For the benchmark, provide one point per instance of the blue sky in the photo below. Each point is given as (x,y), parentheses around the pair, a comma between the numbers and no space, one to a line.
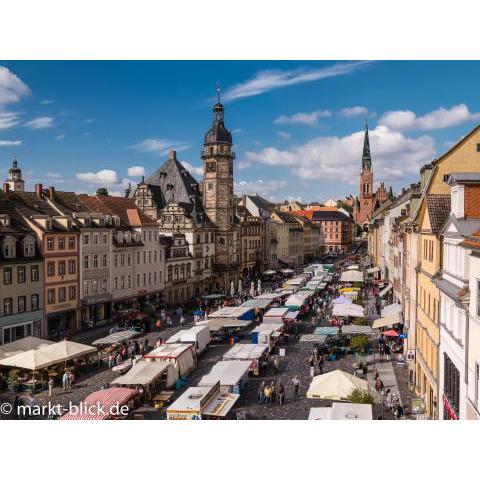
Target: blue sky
(297,126)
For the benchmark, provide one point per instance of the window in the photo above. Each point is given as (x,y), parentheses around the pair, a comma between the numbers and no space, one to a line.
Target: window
(61,267)
(95,239)
(22,304)
(451,387)
(115,283)
(478,147)
(72,267)
(61,243)
(71,243)
(62,294)
(51,296)
(138,280)
(29,247)
(34,273)
(129,259)
(477,379)
(138,258)
(50,243)
(35,302)
(104,260)
(95,261)
(50,269)
(86,238)
(105,238)
(7,306)
(86,287)
(104,284)
(115,260)
(7,276)
(122,259)
(72,292)
(21,274)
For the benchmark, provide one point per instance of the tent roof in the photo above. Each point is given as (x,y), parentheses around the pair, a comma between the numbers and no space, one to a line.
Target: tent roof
(245,351)
(335,385)
(356,329)
(168,350)
(219,323)
(352,276)
(117,337)
(227,373)
(257,303)
(49,355)
(142,373)
(22,345)
(230,312)
(387,321)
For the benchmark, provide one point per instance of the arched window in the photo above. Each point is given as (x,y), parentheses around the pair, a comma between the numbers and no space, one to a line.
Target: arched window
(9,244)
(28,246)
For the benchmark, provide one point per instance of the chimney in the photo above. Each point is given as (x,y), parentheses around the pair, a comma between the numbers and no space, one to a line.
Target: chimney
(38,190)
(51,192)
(172,154)
(244,200)
(6,188)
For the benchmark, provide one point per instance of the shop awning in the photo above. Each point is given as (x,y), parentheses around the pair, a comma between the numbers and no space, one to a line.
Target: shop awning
(348,310)
(388,321)
(385,290)
(257,303)
(117,337)
(245,351)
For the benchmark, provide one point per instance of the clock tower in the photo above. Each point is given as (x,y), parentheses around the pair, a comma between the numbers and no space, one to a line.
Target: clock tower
(217,192)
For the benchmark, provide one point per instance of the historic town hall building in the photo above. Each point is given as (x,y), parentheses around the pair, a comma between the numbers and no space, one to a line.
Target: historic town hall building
(368,201)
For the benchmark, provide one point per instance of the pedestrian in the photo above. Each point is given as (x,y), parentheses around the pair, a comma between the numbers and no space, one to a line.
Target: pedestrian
(387,352)
(273,387)
(159,342)
(268,394)
(182,321)
(110,361)
(276,364)
(280,393)
(320,364)
(261,396)
(311,362)
(50,387)
(388,400)
(296,385)
(71,380)
(169,320)
(158,324)
(65,380)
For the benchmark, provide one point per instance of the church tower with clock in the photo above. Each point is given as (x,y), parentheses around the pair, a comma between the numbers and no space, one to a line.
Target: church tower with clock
(217,195)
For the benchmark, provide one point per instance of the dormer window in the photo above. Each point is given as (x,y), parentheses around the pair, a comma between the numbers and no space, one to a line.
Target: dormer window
(4,220)
(9,247)
(116,220)
(457,194)
(120,237)
(127,237)
(28,247)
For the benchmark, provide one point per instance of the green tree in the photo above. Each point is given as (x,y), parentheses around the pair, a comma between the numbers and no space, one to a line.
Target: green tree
(360,321)
(359,343)
(102,191)
(360,395)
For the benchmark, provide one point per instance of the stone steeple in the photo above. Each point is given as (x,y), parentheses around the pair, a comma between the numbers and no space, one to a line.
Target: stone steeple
(15,179)
(366,158)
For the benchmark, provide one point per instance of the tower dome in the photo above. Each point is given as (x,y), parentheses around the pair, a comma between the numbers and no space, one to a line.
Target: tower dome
(218,133)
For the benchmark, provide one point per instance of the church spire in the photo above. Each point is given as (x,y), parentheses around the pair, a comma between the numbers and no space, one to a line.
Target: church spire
(366,158)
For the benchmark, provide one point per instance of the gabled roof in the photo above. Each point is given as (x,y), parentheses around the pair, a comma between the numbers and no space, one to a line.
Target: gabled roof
(17,227)
(438,206)
(329,215)
(261,202)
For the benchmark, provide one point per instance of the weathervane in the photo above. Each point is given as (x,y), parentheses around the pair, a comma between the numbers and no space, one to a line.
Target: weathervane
(218,92)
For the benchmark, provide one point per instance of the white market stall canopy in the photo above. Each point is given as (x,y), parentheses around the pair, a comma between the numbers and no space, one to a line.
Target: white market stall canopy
(272,296)
(392,309)
(373,270)
(388,321)
(277,313)
(49,355)
(217,324)
(353,267)
(320,339)
(348,310)
(227,373)
(245,351)
(357,330)
(245,313)
(335,385)
(257,303)
(265,327)
(352,276)
(342,411)
(146,372)
(180,354)
(117,337)
(297,299)
(385,290)
(23,345)
(341,300)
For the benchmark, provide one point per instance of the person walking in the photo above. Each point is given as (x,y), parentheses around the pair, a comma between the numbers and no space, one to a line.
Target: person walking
(260,395)
(182,320)
(296,385)
(50,387)
(311,362)
(320,364)
(268,394)
(280,393)
(71,380)
(65,380)
(111,361)
(276,364)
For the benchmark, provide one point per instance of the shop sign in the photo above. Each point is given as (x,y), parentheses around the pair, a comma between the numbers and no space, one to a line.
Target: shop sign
(184,415)
(418,406)
(403,335)
(92,299)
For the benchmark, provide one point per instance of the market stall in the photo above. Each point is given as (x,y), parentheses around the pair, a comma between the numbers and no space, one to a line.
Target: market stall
(267,333)
(198,337)
(275,315)
(352,276)
(22,345)
(232,375)
(225,329)
(297,300)
(256,353)
(239,313)
(117,337)
(148,374)
(203,402)
(335,385)
(342,411)
(106,404)
(181,355)
(357,330)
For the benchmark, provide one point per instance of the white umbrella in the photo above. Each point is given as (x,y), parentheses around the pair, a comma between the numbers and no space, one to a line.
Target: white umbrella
(335,385)
(232,289)
(240,287)
(259,287)
(252,289)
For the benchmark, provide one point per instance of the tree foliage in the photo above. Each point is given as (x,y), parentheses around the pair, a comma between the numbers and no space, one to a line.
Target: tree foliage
(102,191)
(359,343)
(360,395)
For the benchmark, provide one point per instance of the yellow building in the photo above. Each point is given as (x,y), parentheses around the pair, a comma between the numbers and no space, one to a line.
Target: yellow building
(433,210)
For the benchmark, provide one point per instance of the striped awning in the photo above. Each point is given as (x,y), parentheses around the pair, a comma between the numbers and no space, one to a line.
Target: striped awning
(98,405)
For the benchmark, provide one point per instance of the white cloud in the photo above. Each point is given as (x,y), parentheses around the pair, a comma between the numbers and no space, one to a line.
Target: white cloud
(40,123)
(60,137)
(53,175)
(9,119)
(353,111)
(10,143)
(89,120)
(262,187)
(285,135)
(159,146)
(198,171)
(47,102)
(136,171)
(434,120)
(338,158)
(267,80)
(102,177)
(12,89)
(310,118)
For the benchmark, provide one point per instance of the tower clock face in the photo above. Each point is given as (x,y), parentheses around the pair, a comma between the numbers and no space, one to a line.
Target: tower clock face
(211,166)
